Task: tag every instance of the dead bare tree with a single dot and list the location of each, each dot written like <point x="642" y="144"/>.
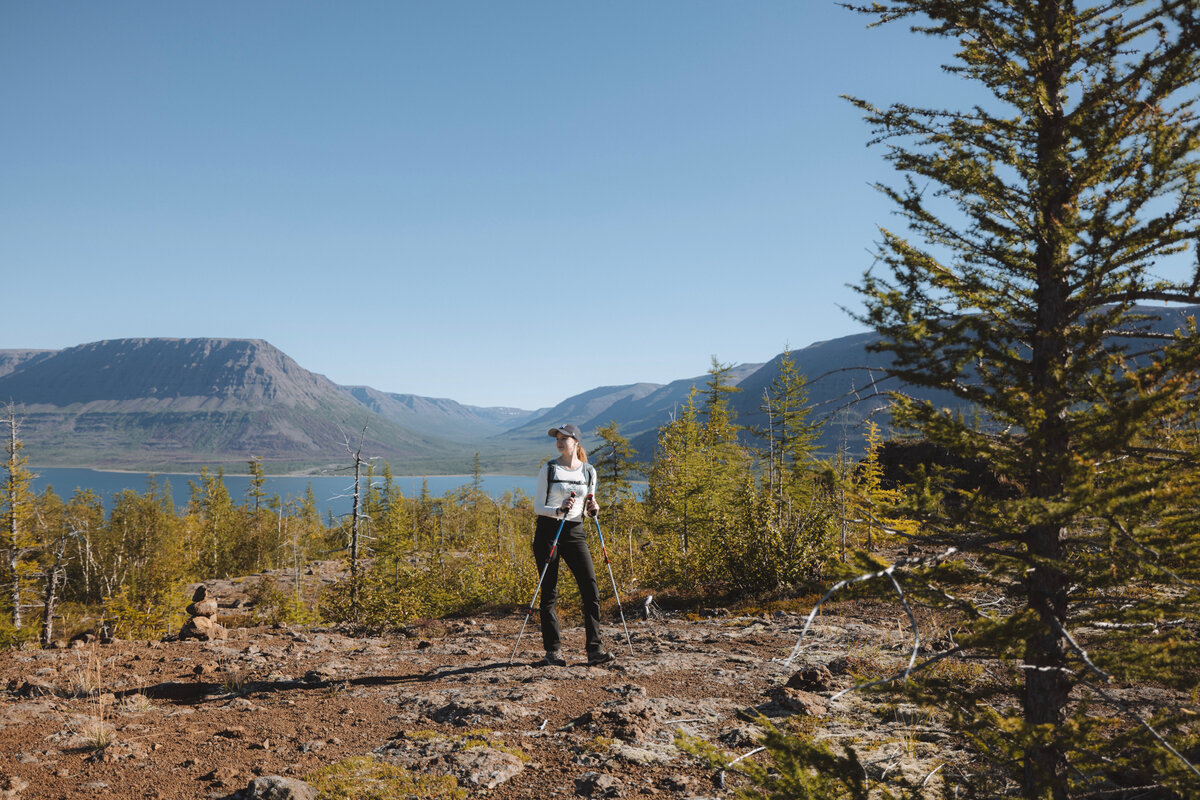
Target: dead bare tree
<point x="16" y="496"/>
<point x="356" y="515"/>
<point x="53" y="576"/>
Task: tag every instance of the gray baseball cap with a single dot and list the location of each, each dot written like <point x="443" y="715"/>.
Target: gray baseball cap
<point x="565" y="430"/>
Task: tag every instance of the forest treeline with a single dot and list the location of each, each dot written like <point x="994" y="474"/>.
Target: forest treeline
<point x="719" y="517"/>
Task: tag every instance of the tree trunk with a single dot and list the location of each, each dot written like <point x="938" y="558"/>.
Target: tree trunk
<point x="50" y="597"/>
<point x="1047" y="681"/>
<point x="14" y="530"/>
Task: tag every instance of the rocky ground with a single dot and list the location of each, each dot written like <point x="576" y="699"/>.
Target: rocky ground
<point x="202" y="719"/>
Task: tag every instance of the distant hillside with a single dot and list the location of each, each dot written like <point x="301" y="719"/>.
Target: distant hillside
<point x="12" y="359"/>
<point x="639" y="409"/>
<point x="437" y="416"/>
<point x="177" y="403"/>
<point x="142" y="375"/>
<point x="847" y="386"/>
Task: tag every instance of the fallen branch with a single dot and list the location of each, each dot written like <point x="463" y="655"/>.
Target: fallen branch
<point x="906" y="562"/>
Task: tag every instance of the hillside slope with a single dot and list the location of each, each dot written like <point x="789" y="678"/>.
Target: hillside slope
<point x="177" y="403"/>
<point x="438" y="416"/>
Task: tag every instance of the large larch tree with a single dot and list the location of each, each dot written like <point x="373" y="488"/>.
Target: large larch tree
<point x="1038" y="224"/>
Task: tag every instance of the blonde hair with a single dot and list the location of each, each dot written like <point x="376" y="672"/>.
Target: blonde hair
<point x="580" y="453"/>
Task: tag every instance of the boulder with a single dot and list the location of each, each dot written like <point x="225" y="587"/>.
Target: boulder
<point x="32" y="686"/>
<point x="630" y="719"/>
<point x="484" y="767"/>
<point x="11" y="786"/>
<point x="812" y="679"/>
<point x="800" y="702"/>
<point x="204" y="608"/>
<point x="277" y="787"/>
<point x="597" y="784"/>
<point x="202" y="628"/>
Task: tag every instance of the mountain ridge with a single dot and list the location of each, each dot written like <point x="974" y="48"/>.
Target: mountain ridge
<point x="159" y="403"/>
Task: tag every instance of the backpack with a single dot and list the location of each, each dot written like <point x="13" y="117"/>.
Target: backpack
<point x="589" y="477"/>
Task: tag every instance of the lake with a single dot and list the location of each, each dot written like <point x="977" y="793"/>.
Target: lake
<point x="331" y="492"/>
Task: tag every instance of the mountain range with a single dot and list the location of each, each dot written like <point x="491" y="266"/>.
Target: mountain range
<point x="156" y="404"/>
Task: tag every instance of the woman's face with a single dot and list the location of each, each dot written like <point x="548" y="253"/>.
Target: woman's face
<point x="565" y="444"/>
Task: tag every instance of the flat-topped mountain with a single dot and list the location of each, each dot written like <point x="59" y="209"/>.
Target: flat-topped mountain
<point x="12" y="359"/>
<point x="180" y="403"/>
<point x="166" y="374"/>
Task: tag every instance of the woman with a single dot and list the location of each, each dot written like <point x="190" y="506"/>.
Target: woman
<point x="558" y="479"/>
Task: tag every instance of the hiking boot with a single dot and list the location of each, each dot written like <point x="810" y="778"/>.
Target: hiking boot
<point x="600" y="657"/>
<point x="554" y="659"/>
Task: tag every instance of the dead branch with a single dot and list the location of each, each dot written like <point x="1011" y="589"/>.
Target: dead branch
<point x="905" y="562"/>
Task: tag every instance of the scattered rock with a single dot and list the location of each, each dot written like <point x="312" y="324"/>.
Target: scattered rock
<point x="277" y="787"/>
<point x="644" y="756"/>
<point x="205" y="608"/>
<point x="32" y="686"/>
<point x="596" y="784"/>
<point x="483" y="767"/>
<point x="476" y="706"/>
<point x="202" y="628"/>
<point x="800" y="702"/>
<point x="474" y="765"/>
<point x="11" y="787"/>
<point x="812" y="679"/>
<point x="119" y="751"/>
<point x="631" y="719"/>
<point x="743" y="736"/>
<point x="225" y="776"/>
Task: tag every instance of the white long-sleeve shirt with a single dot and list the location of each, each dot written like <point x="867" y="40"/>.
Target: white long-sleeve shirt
<point x="551" y="491"/>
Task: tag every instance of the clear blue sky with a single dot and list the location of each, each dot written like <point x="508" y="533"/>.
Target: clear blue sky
<point x="504" y="203"/>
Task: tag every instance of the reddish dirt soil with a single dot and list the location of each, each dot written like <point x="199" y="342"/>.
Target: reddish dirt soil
<point x="190" y="719"/>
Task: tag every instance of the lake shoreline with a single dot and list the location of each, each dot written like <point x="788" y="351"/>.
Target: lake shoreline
<point x="330" y="492"/>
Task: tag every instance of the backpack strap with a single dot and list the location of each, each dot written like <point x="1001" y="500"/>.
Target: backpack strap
<point x="551" y="477"/>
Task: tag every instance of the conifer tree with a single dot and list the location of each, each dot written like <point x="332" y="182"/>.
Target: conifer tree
<point x="1039" y="219"/>
<point x="614" y="467"/>
<point x="614" y="461"/>
<point x="142" y="560"/>
<point x="213" y="510"/>
<point x="674" y="485"/>
<point x="790" y="434"/>
<point x="256" y="493"/>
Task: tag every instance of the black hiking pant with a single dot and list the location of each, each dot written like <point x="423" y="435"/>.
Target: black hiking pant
<point x="573" y="549"/>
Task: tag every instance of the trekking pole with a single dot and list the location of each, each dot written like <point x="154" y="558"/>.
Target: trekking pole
<point x="549" y="558"/>
<point x="608" y="564"/>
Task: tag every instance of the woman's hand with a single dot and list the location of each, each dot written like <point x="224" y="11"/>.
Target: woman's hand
<point x="591" y="506"/>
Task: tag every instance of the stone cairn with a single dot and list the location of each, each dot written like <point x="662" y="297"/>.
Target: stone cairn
<point x="200" y="624"/>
